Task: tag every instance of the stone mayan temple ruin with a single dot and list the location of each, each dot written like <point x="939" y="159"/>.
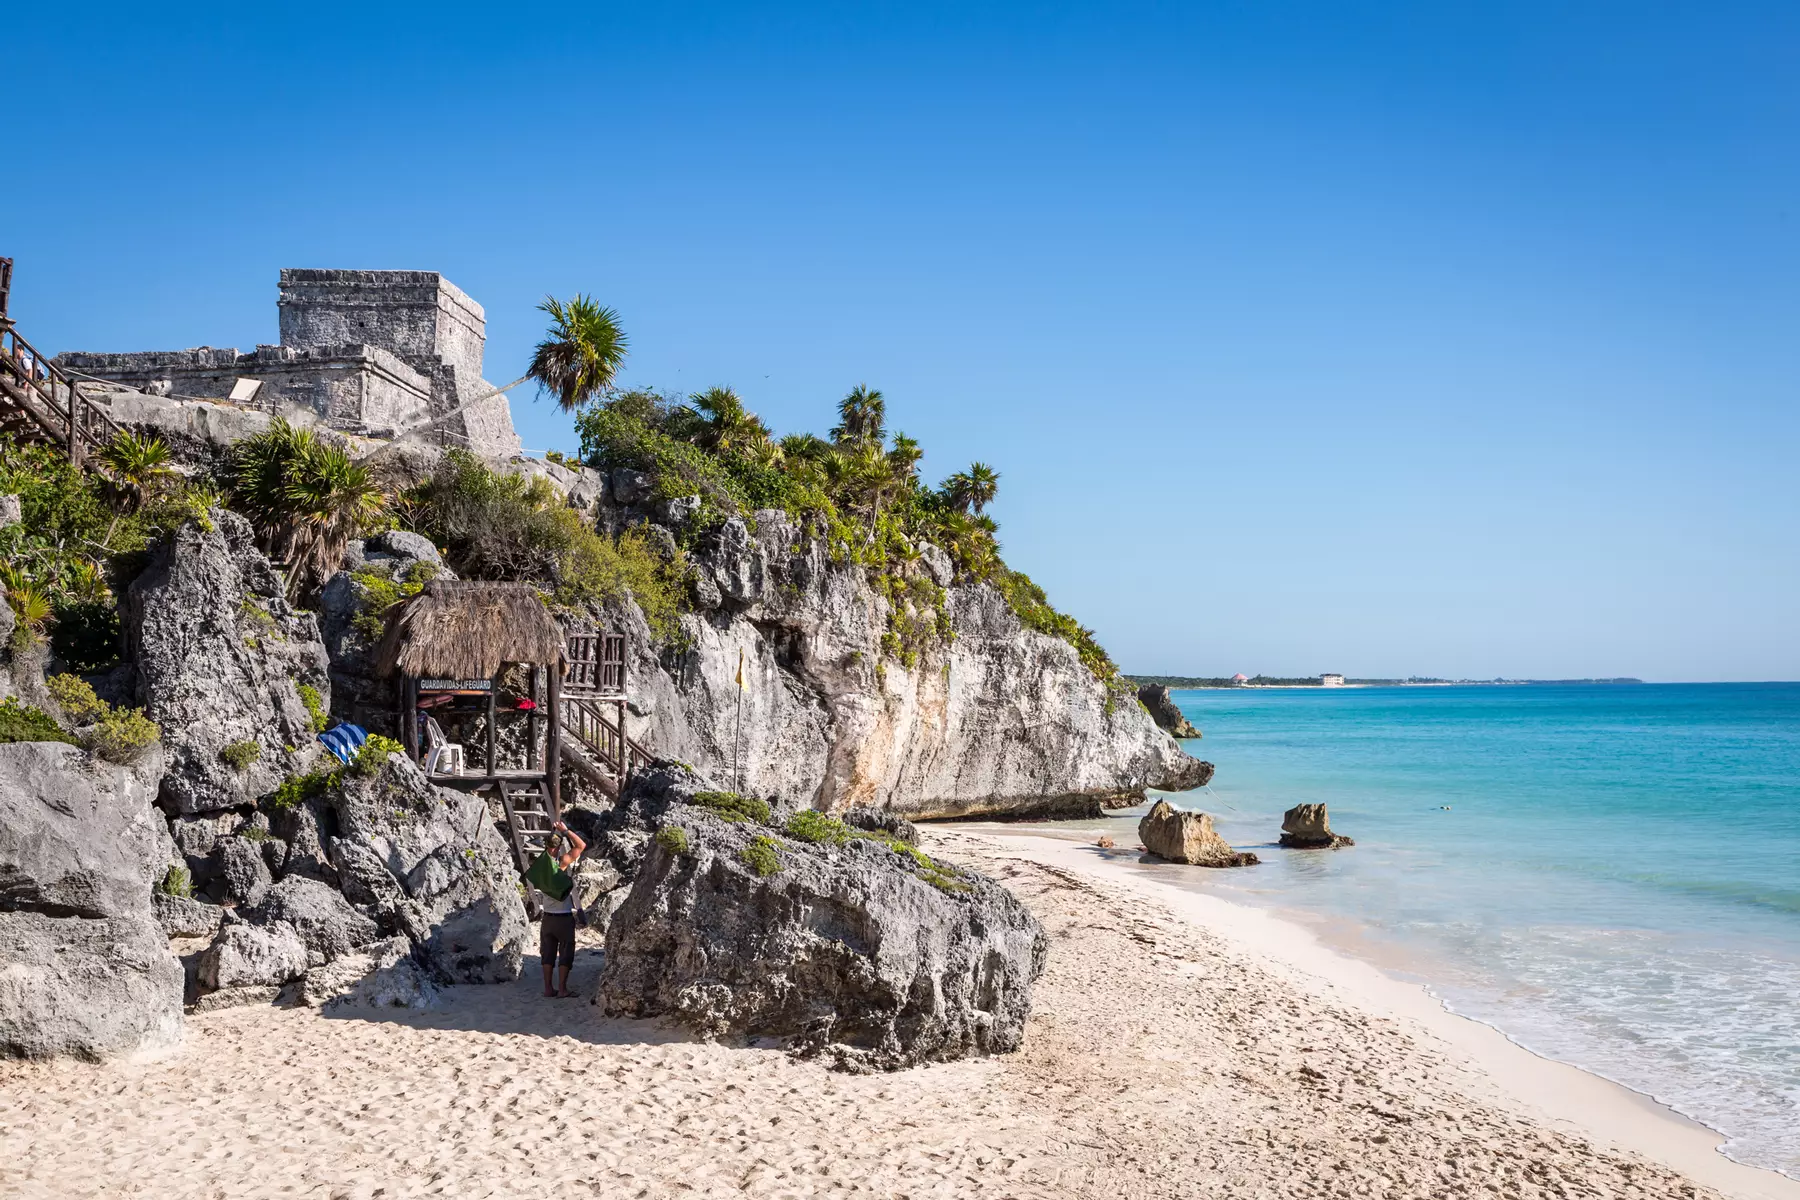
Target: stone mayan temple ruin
<point x="371" y="353"/>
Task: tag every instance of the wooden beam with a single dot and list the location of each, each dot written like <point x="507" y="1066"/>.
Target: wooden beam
<point x="553" y="737"/>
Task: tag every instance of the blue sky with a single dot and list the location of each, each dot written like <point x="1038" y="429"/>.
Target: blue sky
<point x="1379" y="338"/>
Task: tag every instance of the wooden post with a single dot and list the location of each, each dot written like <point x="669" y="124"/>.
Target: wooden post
<point x="408" y="716"/>
<point x="531" y="724"/>
<point x="493" y="768"/>
<point x="553" y="738"/>
<point x="74" y="419"/>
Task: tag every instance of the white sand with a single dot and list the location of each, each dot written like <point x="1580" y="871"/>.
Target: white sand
<point x="1179" y="1046"/>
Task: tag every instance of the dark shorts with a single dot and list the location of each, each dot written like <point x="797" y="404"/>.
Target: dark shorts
<point x="556" y="939"/>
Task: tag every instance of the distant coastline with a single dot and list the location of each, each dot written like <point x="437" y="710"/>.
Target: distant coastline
<point x="1316" y="681"/>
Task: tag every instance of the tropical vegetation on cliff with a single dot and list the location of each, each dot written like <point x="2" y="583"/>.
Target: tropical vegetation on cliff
<point x="308" y="496"/>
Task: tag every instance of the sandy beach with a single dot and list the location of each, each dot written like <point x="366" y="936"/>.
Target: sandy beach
<point x="1178" y="1046"/>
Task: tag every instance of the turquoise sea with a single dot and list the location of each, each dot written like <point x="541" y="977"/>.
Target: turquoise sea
<point x="1610" y="874"/>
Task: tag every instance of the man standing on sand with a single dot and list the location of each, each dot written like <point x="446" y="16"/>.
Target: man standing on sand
<point x="556" y="928"/>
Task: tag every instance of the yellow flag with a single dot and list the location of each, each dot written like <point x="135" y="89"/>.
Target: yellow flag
<point x="740" y="674"/>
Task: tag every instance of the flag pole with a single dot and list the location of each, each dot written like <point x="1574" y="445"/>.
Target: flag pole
<point x="737" y="739"/>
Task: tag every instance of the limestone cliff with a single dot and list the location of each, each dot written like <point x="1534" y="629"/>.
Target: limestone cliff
<point x="1001" y="720"/>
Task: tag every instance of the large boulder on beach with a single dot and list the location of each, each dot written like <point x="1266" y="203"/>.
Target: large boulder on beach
<point x="861" y="949"/>
<point x="1308" y="827"/>
<point x="1188" y="837"/>
<point x="325" y="922"/>
<point x="221" y="657"/>
<point x="85" y="968"/>
<point x="429" y="864"/>
<point x="253" y="956"/>
<point x="1161" y="706"/>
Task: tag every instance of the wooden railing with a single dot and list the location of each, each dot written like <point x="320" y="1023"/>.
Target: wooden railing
<point x="602" y="735"/>
<point x="596" y="664"/>
<point x="51" y="400"/>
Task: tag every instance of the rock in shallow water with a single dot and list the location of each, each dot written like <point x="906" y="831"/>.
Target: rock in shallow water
<point x="856" y="950"/>
<point x="1188" y="837"/>
<point x="1307" y="827"/>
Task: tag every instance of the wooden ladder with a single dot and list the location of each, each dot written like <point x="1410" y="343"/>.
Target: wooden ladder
<point x="530" y="814"/>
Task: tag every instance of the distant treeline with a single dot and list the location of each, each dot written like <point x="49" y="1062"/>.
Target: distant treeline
<point x="1195" y="681"/>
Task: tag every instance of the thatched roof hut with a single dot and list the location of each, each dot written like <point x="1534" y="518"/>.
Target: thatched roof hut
<point x="457" y="629"/>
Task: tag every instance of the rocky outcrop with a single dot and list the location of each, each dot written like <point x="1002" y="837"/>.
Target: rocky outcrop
<point x="1000" y="718"/>
<point x="220" y="658"/>
<point x="1188" y="837"/>
<point x="427" y="862"/>
<point x="874" y="955"/>
<point x="85" y="968"/>
<point x="1308" y="827"/>
<point x="1161" y="706"/>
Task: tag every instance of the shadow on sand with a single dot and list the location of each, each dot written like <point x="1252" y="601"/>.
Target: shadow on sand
<point x="521" y="1007"/>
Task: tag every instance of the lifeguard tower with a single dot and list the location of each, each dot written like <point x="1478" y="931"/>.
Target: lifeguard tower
<point x="469" y="653"/>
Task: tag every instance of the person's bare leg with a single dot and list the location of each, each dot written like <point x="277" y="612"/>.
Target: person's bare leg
<point x="563" y="988"/>
<point x="549" y="967"/>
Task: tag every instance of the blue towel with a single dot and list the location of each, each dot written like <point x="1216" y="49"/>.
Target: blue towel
<point x="344" y="740"/>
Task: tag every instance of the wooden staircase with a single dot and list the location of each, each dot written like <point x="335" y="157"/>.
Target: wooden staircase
<point x="39" y="402"/>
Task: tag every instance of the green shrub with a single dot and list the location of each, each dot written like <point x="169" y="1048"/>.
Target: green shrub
<point x="121" y="734"/>
<point x="733" y="807"/>
<point x="239" y="755"/>
<point x="513" y="527"/>
<point x="817" y="829"/>
<point x="177" y="881"/>
<point x="762" y="855"/>
<point x="22" y="723"/>
<point x="315" y="707"/>
<point x="672" y="838"/>
<point x="254" y="833"/>
<point x="75" y="696"/>
<point x="939" y="875"/>
<point x="374" y="755"/>
<point x="295" y="790"/>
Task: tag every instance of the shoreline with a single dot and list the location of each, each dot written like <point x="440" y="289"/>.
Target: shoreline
<point x="1508" y="1071"/>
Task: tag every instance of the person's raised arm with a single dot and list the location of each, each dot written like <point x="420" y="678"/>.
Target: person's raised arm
<point x="576" y="846"/>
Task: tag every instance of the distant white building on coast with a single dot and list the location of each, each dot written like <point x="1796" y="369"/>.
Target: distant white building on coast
<point x="1330" y="680"/>
<point x="1240" y="678"/>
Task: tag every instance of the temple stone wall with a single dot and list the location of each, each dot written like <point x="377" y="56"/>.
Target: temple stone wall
<point x="367" y="352"/>
<point x="358" y="389"/>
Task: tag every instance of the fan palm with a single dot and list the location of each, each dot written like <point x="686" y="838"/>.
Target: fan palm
<point x="726" y="424"/>
<point x="332" y="499"/>
<point x="139" y="465"/>
<point x="862" y="416"/>
<point x="580" y="356"/>
<point x="972" y="490"/>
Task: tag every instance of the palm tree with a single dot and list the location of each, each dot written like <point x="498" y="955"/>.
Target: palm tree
<point x="140" y="466"/>
<point x="805" y="447"/>
<point x="582" y="353"/>
<point x="307" y="499"/>
<point x="972" y="490"/>
<point x="862" y="416"/>
<point x="726" y="424"/>
<point x="904" y="458"/>
<point x="332" y="498"/>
